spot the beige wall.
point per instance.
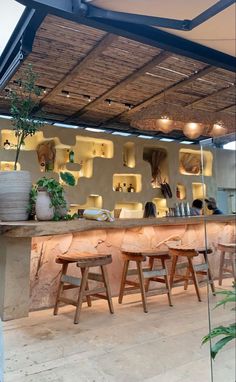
(101, 181)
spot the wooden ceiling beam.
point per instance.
(158, 96)
(106, 41)
(227, 108)
(209, 96)
(117, 87)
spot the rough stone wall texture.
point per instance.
(45, 272)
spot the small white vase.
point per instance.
(43, 208)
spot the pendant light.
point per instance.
(218, 129)
(165, 123)
(193, 130)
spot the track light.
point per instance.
(65, 93)
(87, 97)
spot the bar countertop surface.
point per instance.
(48, 228)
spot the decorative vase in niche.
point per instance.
(43, 207)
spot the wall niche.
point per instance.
(127, 182)
(199, 190)
(129, 155)
(93, 201)
(190, 162)
(161, 206)
(157, 158)
(129, 210)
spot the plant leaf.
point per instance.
(219, 345)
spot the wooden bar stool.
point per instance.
(145, 275)
(226, 262)
(84, 261)
(192, 269)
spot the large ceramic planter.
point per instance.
(15, 189)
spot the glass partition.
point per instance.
(219, 235)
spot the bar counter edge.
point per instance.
(47, 228)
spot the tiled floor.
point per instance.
(161, 346)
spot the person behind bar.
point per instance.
(196, 208)
(211, 205)
(149, 210)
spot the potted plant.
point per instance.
(47, 198)
(227, 333)
(15, 185)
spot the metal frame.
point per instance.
(20, 44)
(184, 25)
(78, 11)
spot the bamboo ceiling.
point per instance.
(99, 79)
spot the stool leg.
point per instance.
(232, 260)
(222, 260)
(60, 288)
(88, 298)
(142, 285)
(167, 282)
(123, 280)
(172, 272)
(209, 274)
(81, 294)
(194, 277)
(187, 279)
(151, 262)
(107, 286)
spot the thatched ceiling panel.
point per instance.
(113, 65)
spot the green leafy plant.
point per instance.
(228, 332)
(54, 189)
(24, 99)
(56, 193)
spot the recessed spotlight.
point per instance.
(145, 136)
(121, 133)
(58, 124)
(166, 139)
(186, 142)
(95, 130)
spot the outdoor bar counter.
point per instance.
(29, 274)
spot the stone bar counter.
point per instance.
(29, 274)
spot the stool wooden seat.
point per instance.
(84, 261)
(192, 269)
(225, 263)
(145, 275)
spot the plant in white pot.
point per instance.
(48, 200)
(15, 185)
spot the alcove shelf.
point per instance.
(161, 206)
(195, 162)
(182, 191)
(93, 201)
(129, 155)
(8, 166)
(198, 190)
(157, 157)
(127, 180)
(129, 210)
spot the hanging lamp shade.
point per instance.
(165, 124)
(193, 130)
(218, 130)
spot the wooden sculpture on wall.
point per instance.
(46, 155)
